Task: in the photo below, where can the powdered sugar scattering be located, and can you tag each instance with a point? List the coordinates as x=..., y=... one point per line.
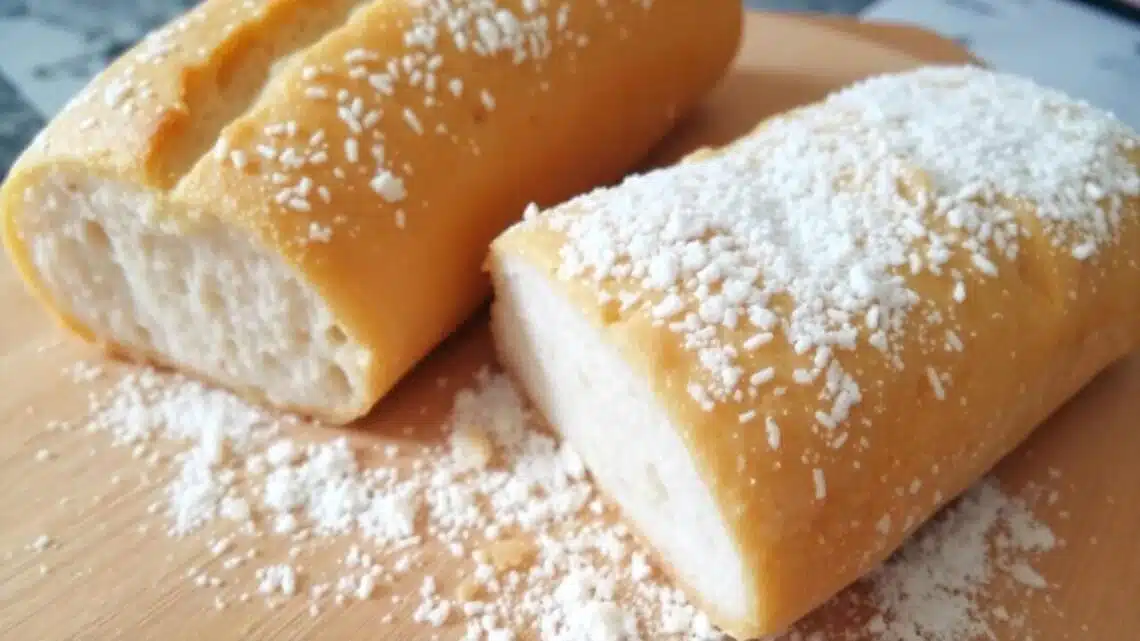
x=538, y=548
x=546, y=553
x=935, y=587
x=943, y=584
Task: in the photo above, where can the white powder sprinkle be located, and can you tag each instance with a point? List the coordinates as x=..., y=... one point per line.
x=953, y=342
x=959, y=292
x=831, y=207
x=934, y=588
x=314, y=92
x=389, y=186
x=820, y=483
x=883, y=525
x=241, y=468
x=1084, y=251
x=1023, y=573
x=117, y=92
x=773, y=432
x=935, y=383
x=41, y=543
x=413, y=120
x=277, y=579
x=365, y=588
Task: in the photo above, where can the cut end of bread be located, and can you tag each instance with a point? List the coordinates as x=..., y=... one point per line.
x=608, y=413
x=206, y=300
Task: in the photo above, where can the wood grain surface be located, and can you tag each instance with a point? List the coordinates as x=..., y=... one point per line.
x=113, y=573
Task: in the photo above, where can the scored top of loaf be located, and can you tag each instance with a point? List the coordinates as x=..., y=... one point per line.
x=194, y=98
x=813, y=228
x=348, y=144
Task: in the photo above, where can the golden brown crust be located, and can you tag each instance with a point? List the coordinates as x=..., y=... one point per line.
x=545, y=102
x=149, y=115
x=1032, y=338
x=800, y=551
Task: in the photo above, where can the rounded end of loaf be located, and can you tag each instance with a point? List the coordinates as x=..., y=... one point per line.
x=11, y=207
x=120, y=267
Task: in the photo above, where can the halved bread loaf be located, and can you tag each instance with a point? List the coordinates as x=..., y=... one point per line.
x=781, y=357
x=293, y=197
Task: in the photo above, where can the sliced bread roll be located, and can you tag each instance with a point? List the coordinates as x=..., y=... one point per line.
x=781, y=357
x=293, y=198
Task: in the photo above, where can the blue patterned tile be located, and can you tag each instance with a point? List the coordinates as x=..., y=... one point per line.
x=19, y=123
x=103, y=28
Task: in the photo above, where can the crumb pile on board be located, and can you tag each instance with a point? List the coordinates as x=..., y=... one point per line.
x=538, y=554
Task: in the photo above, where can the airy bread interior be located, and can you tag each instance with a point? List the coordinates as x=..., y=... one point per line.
x=206, y=298
x=605, y=410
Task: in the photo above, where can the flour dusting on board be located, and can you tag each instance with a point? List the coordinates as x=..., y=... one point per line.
x=934, y=589
x=536, y=547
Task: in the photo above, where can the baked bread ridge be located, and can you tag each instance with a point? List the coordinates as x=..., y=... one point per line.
x=293, y=198
x=780, y=358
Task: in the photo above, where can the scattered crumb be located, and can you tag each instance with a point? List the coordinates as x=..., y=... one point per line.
x=41, y=543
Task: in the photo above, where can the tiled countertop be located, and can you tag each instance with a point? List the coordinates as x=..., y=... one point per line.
x=52, y=47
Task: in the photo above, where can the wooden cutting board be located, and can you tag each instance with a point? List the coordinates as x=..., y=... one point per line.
x=105, y=578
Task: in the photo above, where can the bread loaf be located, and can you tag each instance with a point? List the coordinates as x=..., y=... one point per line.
x=781, y=357
x=293, y=198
